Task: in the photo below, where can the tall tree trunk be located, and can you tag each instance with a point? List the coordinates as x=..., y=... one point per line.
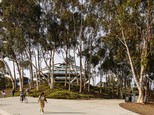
x=15, y=80
x=120, y=87
x=36, y=74
x=52, y=75
x=140, y=82
x=69, y=85
x=84, y=86
x=147, y=90
x=89, y=76
x=50, y=71
x=48, y=64
x=80, y=48
x=142, y=72
x=80, y=90
x=66, y=65
x=31, y=71
x=76, y=69
x=20, y=75
x=10, y=74
x=39, y=65
x=101, y=76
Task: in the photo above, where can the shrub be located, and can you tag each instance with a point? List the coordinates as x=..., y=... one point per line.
x=34, y=94
x=86, y=96
x=63, y=95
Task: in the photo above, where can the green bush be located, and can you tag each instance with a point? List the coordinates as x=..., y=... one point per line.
x=61, y=92
x=34, y=94
x=59, y=84
x=75, y=87
x=63, y=95
x=86, y=96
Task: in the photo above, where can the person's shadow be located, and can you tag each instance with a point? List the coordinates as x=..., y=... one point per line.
x=66, y=113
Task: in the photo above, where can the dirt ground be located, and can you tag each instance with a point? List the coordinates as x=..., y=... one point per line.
x=142, y=109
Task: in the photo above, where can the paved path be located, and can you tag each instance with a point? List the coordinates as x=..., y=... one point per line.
x=12, y=106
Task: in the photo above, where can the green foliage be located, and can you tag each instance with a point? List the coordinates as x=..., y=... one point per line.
x=17, y=16
x=2, y=65
x=5, y=83
x=95, y=60
x=60, y=92
x=86, y=96
x=27, y=24
x=25, y=64
x=90, y=20
x=63, y=95
x=34, y=94
x=17, y=93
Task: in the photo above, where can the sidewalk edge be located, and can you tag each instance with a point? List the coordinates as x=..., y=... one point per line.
x=2, y=112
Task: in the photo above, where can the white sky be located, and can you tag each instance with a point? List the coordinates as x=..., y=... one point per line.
x=58, y=59
x=10, y=63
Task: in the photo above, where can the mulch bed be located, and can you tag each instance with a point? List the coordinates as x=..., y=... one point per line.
x=142, y=109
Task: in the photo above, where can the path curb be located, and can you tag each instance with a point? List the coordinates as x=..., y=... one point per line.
x=2, y=112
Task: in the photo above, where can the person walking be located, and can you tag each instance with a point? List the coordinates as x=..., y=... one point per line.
x=13, y=92
x=3, y=94
x=42, y=100
x=22, y=96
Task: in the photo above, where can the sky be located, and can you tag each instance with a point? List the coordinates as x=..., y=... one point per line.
x=58, y=59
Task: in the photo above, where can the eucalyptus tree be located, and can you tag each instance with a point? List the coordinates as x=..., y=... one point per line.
x=29, y=54
x=78, y=27
x=54, y=31
x=64, y=15
x=4, y=65
x=116, y=64
x=16, y=17
x=47, y=48
x=149, y=79
x=91, y=38
x=33, y=35
x=5, y=69
x=130, y=23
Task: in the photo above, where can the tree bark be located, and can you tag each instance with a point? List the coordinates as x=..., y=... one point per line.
x=20, y=76
x=39, y=67
x=31, y=71
x=36, y=69
x=89, y=76
x=15, y=80
x=52, y=73
x=140, y=97
x=69, y=76
x=80, y=90
x=101, y=77
x=10, y=74
x=84, y=86
x=140, y=82
x=66, y=64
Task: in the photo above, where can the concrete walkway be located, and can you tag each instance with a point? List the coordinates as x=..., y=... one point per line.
x=12, y=106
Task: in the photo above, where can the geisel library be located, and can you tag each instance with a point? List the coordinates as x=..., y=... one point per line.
x=60, y=72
